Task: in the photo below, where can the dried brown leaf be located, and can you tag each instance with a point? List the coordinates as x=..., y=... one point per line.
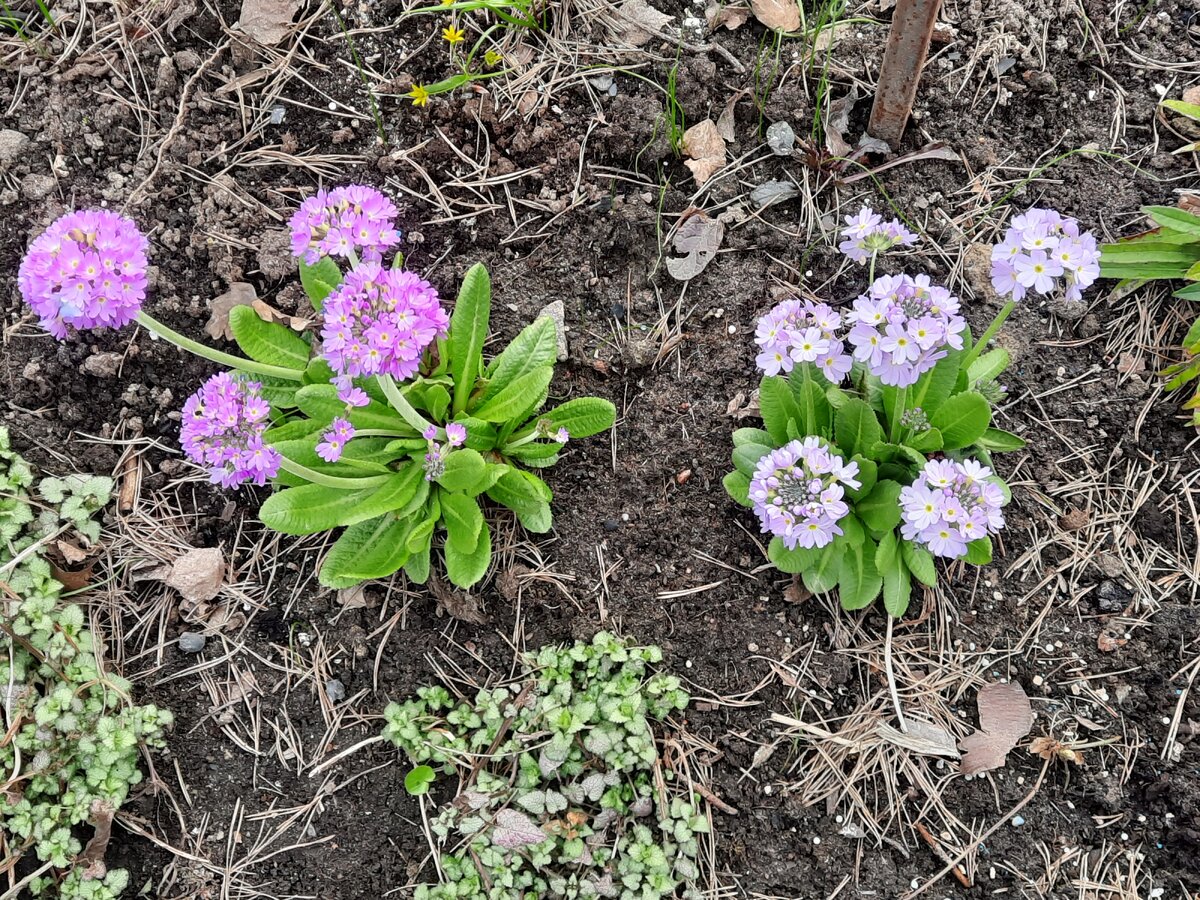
x=922, y=737
x=268, y=21
x=640, y=22
x=458, y=604
x=699, y=238
x=240, y=293
x=704, y=144
x=1049, y=748
x=1005, y=717
x=731, y=17
x=782, y=15
x=198, y=575
x=268, y=313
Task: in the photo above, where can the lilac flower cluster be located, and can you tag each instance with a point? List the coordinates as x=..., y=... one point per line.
x=223, y=425
x=902, y=327
x=798, y=491
x=351, y=221
x=334, y=441
x=1043, y=250
x=801, y=332
x=87, y=270
x=866, y=234
x=435, y=459
x=949, y=505
x=379, y=321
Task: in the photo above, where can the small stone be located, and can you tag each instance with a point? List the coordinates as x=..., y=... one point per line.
x=102, y=365
x=1112, y=597
x=1069, y=310
x=37, y=187
x=335, y=690
x=192, y=642
x=13, y=146
x=198, y=575
x=1018, y=821
x=781, y=138
x=557, y=313
x=977, y=267
x=611, y=524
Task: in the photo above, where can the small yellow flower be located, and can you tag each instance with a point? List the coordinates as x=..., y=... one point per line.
x=492, y=58
x=447, y=2
x=418, y=95
x=453, y=35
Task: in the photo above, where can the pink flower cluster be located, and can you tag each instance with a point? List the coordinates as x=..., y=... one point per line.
x=351, y=221
x=1043, y=250
x=902, y=327
x=798, y=491
x=87, y=270
x=379, y=321
x=801, y=332
x=949, y=505
x=866, y=234
x=334, y=441
x=223, y=425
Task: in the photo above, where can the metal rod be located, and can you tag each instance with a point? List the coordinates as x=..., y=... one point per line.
x=907, y=47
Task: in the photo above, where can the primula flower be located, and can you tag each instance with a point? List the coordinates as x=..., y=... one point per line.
x=902, y=327
x=1044, y=250
x=949, y=505
x=866, y=234
x=456, y=434
x=562, y=435
x=351, y=221
x=798, y=491
x=798, y=331
x=222, y=429
x=348, y=393
x=334, y=441
x=87, y=270
x=379, y=321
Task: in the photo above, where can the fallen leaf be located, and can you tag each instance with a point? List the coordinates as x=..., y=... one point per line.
x=240, y=293
x=458, y=604
x=1128, y=364
x=838, y=123
x=922, y=737
x=1005, y=717
x=741, y=408
x=725, y=123
x=1049, y=748
x=731, y=17
x=771, y=192
x=198, y=575
x=356, y=597
x=782, y=15
x=704, y=144
x=699, y=238
x=268, y=313
x=268, y=21
x=1075, y=519
x=640, y=22
x=70, y=565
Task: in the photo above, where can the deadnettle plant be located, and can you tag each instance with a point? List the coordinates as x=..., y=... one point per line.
x=875, y=452
x=388, y=423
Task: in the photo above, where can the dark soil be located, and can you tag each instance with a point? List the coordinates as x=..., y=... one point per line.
x=214, y=208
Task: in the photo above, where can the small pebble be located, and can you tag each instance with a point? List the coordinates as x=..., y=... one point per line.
x=192, y=642
x=1018, y=821
x=335, y=690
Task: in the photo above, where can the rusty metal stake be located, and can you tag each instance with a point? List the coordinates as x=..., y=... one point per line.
x=907, y=47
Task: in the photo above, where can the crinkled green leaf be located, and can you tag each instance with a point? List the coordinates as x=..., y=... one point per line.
x=268, y=342
x=468, y=331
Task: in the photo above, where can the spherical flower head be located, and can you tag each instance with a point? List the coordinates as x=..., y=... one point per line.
x=902, y=326
x=223, y=425
x=87, y=270
x=798, y=331
x=866, y=235
x=950, y=504
x=353, y=220
x=379, y=321
x=1045, y=251
x=334, y=440
x=798, y=490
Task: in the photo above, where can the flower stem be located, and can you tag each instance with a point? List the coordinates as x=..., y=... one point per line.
x=206, y=352
x=973, y=353
x=871, y=271
x=331, y=481
x=896, y=414
x=406, y=410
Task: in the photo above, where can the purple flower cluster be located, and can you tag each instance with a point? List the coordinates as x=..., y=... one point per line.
x=334, y=441
x=902, y=327
x=348, y=221
x=798, y=491
x=866, y=234
x=379, y=321
x=223, y=425
x=87, y=270
x=1043, y=250
x=949, y=505
x=435, y=459
x=801, y=332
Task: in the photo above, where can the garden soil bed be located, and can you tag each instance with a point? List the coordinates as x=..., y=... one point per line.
x=567, y=193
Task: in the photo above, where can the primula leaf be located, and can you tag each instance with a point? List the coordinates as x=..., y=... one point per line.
x=979, y=552
x=464, y=469
x=962, y=419
x=751, y=436
x=465, y=569
x=815, y=412
x=795, y=561
x=364, y=456
x=1147, y=250
x=321, y=404
x=932, y=388
x=868, y=474
x=858, y=579
x=372, y=549
x=1191, y=292
x=267, y=342
x=417, y=567
x=897, y=582
x=463, y=522
x=737, y=485
x=279, y=392
x=437, y=401
x=582, y=417
x=536, y=456
x=747, y=456
x=857, y=428
x=1000, y=440
x=536, y=347
x=778, y=408
x=516, y=490
x=318, y=371
x=312, y=508
x=517, y=399
x=881, y=509
x=823, y=576
x=1192, y=111
x=853, y=533
x=989, y=366
x=919, y=561
x=320, y=280
x=481, y=435
x=468, y=331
